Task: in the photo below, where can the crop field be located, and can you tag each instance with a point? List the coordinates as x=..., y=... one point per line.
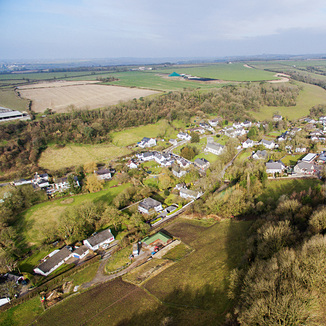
x=223, y=71
x=41, y=218
x=9, y=99
x=133, y=135
x=74, y=155
x=310, y=95
x=60, y=96
x=199, y=297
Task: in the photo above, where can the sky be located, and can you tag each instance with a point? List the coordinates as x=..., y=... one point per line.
x=67, y=29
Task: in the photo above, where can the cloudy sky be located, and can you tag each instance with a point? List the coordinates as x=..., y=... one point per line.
x=58, y=29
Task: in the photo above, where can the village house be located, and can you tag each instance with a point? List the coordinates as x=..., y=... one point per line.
x=80, y=252
x=304, y=168
x=132, y=164
x=21, y=182
x=214, y=148
x=147, y=142
x=40, y=180
x=274, y=167
x=300, y=149
x=215, y=122
x=177, y=171
x=180, y=186
x=206, y=126
x=246, y=124
x=54, y=261
x=62, y=184
x=196, y=129
x=295, y=130
x=322, y=157
x=146, y=156
x=173, y=141
x=260, y=155
x=201, y=163
x=184, y=136
x=267, y=144
x=248, y=143
x=104, y=174
x=189, y=194
x=283, y=136
x=183, y=162
x=277, y=117
x=149, y=205
x=99, y=240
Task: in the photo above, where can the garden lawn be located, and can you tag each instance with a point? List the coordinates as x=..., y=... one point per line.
x=74, y=155
x=118, y=260
x=41, y=218
x=85, y=275
x=292, y=159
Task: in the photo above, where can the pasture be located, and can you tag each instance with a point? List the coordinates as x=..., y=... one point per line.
x=199, y=297
x=60, y=96
x=42, y=218
x=74, y=155
x=310, y=95
x=9, y=99
x=227, y=72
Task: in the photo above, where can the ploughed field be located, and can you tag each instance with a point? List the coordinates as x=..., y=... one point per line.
x=62, y=96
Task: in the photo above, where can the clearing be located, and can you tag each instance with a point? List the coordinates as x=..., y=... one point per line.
x=61, y=96
x=74, y=155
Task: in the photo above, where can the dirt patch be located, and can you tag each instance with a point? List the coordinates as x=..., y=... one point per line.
x=65, y=96
x=67, y=201
x=247, y=66
x=284, y=79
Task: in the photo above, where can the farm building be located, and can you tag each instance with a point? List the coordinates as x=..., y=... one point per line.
x=7, y=115
x=309, y=157
x=148, y=205
x=158, y=238
x=55, y=260
x=99, y=240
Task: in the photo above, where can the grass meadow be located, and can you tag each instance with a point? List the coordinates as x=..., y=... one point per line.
x=9, y=99
x=310, y=95
x=74, y=155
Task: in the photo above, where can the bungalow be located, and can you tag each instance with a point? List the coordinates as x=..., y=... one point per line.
x=173, y=141
x=274, y=167
x=81, y=252
x=309, y=157
x=277, y=117
x=101, y=239
x=260, y=155
x=215, y=122
x=214, y=148
x=147, y=156
x=149, y=205
x=248, y=143
x=202, y=163
x=304, y=168
x=184, y=136
x=178, y=172
x=147, y=142
x=132, y=164
x=267, y=144
x=156, y=239
x=55, y=260
x=189, y=194
x=103, y=174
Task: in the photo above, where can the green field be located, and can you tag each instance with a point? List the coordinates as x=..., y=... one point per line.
x=199, y=297
x=9, y=99
x=74, y=155
x=36, y=221
x=310, y=95
x=133, y=135
x=292, y=159
x=223, y=71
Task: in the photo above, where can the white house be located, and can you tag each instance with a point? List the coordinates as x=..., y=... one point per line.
x=147, y=156
x=62, y=184
x=246, y=124
x=300, y=149
x=189, y=194
x=214, y=122
x=202, y=163
x=248, y=143
x=183, y=162
x=103, y=174
x=304, y=168
x=173, y=141
x=214, y=148
x=22, y=182
x=178, y=172
x=80, y=252
x=132, y=164
x=148, y=205
x=147, y=142
x=267, y=144
x=277, y=117
x=54, y=261
x=99, y=240
x=184, y=136
x=206, y=126
x=260, y=155
x=274, y=167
